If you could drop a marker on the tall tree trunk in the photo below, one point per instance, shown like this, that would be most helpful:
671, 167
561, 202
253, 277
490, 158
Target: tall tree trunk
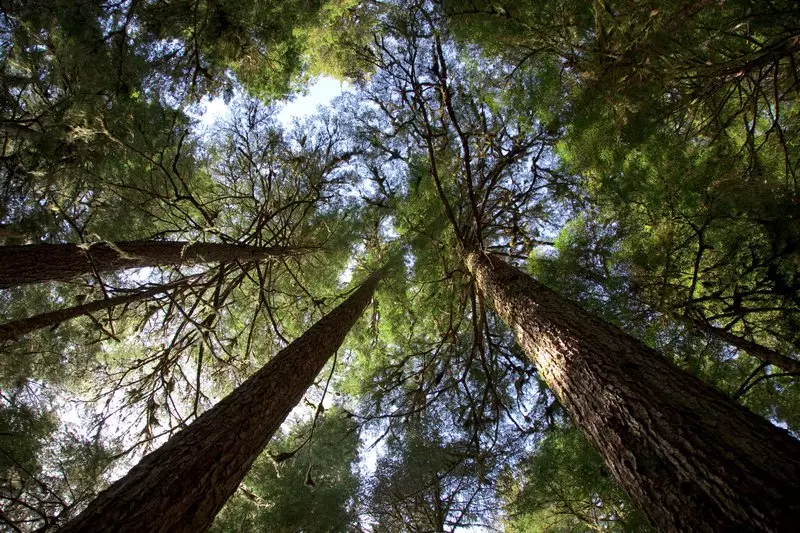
181, 486
691, 458
17, 328
36, 263
764, 354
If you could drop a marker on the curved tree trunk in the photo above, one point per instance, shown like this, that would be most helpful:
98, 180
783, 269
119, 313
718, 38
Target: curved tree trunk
36, 263
15, 329
181, 486
689, 456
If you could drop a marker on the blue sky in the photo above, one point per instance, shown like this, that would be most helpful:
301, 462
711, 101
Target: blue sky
319, 93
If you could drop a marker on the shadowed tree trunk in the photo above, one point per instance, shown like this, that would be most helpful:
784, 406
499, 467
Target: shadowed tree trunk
690, 457
17, 328
36, 263
181, 486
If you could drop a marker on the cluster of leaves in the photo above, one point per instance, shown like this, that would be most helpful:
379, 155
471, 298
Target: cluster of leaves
554, 498
48, 468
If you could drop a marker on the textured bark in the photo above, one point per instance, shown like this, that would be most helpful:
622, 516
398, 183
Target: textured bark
15, 329
764, 354
36, 263
689, 456
181, 486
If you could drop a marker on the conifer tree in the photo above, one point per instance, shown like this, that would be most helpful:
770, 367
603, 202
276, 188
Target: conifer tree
690, 457
183, 484
17, 328
36, 263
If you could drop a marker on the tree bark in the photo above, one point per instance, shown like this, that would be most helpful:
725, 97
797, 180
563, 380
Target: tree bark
760, 352
36, 263
11, 331
181, 486
689, 456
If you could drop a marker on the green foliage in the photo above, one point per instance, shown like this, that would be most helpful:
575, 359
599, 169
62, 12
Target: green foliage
270, 47
676, 131
47, 468
314, 490
337, 40
641, 157
563, 486
24, 431
423, 483
592, 264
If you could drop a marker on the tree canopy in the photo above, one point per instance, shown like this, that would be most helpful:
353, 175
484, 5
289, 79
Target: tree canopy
637, 158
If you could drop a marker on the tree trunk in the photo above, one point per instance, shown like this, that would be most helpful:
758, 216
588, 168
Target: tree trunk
689, 456
11, 331
181, 486
36, 263
760, 352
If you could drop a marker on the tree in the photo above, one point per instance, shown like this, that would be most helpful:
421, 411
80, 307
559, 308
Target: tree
469, 174
183, 485
673, 181
36, 263
589, 269
638, 156
675, 120
266, 191
427, 483
690, 457
17, 328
